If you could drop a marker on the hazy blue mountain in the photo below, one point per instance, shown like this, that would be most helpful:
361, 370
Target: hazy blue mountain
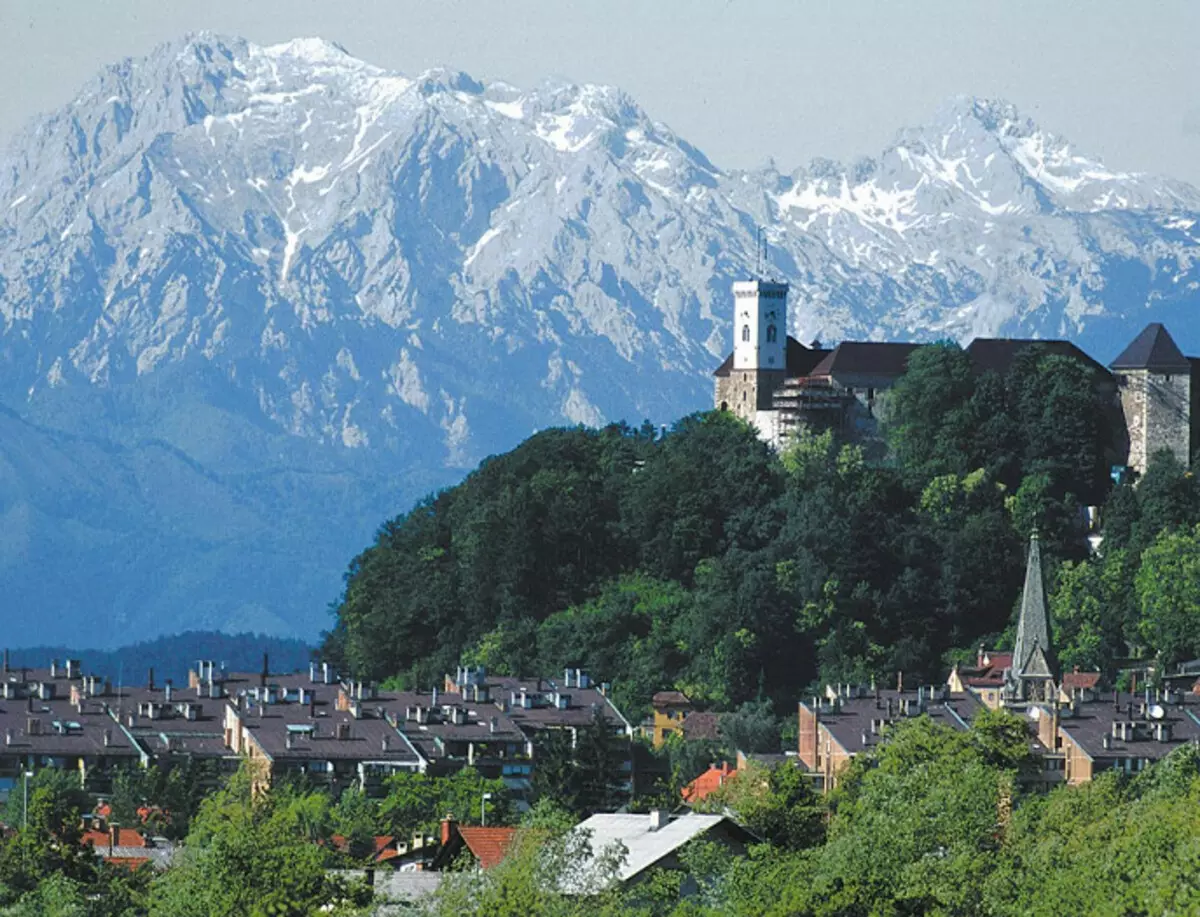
172, 657
255, 300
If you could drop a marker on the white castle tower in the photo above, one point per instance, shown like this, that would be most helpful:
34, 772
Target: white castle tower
759, 350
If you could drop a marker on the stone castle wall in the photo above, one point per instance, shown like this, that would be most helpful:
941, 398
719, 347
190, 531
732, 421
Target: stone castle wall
1157, 409
746, 392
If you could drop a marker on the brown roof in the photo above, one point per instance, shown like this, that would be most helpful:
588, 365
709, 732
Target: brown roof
670, 699
868, 358
997, 354
487, 845
701, 725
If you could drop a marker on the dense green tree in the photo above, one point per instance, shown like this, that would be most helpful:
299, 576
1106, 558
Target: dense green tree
247, 856
582, 772
1094, 611
929, 420
1168, 590
416, 803
779, 805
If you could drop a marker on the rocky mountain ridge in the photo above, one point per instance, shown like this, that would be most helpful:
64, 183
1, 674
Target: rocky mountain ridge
323, 287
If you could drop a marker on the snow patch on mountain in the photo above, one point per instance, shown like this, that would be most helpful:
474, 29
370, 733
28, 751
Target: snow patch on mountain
415, 270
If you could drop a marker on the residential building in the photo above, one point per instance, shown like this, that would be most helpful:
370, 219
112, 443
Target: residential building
540, 705
670, 708
484, 847
650, 841
985, 679
850, 719
708, 783
308, 735
60, 718
1096, 732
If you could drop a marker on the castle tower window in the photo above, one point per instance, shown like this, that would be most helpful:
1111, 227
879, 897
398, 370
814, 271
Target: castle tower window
771, 335
745, 332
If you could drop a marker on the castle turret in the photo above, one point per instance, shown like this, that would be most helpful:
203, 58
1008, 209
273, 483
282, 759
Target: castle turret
759, 362
1155, 382
1031, 676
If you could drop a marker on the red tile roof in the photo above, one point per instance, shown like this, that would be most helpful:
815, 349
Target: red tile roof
384, 846
709, 782
489, 845
126, 837
128, 862
989, 672
1081, 680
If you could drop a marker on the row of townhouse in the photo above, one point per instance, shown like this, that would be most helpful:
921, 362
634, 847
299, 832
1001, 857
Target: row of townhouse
340, 733
1075, 736
1076, 730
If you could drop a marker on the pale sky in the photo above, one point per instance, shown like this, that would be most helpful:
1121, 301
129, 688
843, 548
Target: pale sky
744, 80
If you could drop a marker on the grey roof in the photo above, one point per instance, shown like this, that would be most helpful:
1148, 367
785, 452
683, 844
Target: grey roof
1155, 350
642, 846
1033, 655
1091, 725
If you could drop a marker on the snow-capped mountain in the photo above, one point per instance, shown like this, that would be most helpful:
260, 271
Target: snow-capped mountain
319, 287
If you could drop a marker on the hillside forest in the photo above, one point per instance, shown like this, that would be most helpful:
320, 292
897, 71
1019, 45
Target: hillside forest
696, 558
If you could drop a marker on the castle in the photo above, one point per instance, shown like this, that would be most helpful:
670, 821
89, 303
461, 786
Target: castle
780, 386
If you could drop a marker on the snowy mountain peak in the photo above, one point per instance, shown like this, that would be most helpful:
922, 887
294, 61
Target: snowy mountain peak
230, 258
313, 51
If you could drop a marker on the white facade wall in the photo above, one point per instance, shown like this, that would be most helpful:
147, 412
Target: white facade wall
760, 325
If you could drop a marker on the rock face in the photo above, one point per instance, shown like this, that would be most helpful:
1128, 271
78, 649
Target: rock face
254, 300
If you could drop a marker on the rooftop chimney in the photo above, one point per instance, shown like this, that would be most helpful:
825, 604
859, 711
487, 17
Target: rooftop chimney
265, 671
167, 690
312, 672
325, 673
658, 818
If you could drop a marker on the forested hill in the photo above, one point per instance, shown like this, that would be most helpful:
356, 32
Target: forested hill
698, 559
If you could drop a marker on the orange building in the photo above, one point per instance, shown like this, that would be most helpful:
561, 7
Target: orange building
708, 783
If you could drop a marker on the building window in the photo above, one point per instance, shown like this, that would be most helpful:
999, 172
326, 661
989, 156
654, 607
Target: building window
743, 394
745, 332
771, 335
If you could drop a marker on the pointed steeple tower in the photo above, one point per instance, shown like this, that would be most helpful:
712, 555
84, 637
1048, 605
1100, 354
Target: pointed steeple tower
1031, 677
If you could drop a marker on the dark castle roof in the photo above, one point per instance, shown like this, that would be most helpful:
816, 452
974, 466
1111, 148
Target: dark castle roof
997, 354
800, 360
1154, 350
875, 358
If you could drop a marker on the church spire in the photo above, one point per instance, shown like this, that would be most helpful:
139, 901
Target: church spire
1031, 676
